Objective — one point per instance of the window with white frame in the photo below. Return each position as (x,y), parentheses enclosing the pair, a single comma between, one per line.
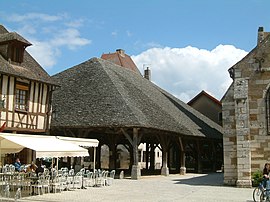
(21,101)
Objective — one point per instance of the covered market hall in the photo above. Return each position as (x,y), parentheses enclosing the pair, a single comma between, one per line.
(122,109)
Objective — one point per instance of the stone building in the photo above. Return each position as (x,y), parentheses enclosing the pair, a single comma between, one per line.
(246,120)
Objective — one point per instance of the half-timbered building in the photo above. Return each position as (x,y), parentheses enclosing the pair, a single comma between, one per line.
(25,89)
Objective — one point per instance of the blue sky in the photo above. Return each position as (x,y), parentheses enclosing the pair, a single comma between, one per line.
(188,44)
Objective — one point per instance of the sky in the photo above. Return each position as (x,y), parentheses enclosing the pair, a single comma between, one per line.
(189,45)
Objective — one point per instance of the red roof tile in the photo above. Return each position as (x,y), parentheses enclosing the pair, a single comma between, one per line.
(121,59)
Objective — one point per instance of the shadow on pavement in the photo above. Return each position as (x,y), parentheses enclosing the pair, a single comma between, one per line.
(211,179)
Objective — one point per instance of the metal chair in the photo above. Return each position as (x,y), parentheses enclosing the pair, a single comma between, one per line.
(37,187)
(111,177)
(55,183)
(88,180)
(100,180)
(46,183)
(18,194)
(78,180)
(7,191)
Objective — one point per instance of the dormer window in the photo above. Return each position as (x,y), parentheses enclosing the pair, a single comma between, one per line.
(16,53)
(12,47)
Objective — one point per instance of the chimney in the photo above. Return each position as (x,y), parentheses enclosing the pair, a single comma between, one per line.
(121,52)
(260,35)
(147,73)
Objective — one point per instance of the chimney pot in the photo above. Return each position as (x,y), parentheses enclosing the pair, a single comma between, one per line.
(260,35)
(147,73)
(121,52)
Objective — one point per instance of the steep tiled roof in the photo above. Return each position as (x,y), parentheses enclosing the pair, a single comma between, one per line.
(98,93)
(3,30)
(13,36)
(29,68)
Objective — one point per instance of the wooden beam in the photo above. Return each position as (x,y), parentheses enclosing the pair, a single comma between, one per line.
(127,147)
(164,141)
(127,136)
(181,144)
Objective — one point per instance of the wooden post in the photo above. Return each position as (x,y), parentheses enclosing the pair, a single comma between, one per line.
(182,157)
(98,156)
(199,159)
(136,170)
(164,169)
(112,152)
(134,141)
(152,156)
(214,152)
(164,141)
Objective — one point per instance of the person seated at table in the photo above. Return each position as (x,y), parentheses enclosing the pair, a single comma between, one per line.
(17,165)
(32,168)
(40,167)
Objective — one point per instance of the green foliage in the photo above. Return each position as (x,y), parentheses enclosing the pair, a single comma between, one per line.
(257,177)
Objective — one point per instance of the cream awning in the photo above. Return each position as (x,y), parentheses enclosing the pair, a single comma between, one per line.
(84,142)
(45,146)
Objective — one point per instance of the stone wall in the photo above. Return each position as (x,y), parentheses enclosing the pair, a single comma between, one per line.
(246,142)
(229,138)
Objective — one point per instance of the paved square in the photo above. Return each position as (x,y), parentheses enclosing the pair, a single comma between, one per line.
(191,187)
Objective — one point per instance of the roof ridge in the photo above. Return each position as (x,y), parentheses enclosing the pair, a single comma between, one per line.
(124,69)
(194,112)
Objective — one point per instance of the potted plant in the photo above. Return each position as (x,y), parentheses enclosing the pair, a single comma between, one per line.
(257,177)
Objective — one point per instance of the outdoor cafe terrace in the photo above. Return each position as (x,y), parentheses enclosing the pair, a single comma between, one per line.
(16,185)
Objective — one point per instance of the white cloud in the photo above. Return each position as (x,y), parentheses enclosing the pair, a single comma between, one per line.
(35,16)
(75,23)
(27,29)
(49,34)
(184,72)
(44,53)
(48,52)
(70,38)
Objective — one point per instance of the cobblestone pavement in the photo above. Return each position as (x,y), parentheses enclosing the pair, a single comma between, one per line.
(187,188)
